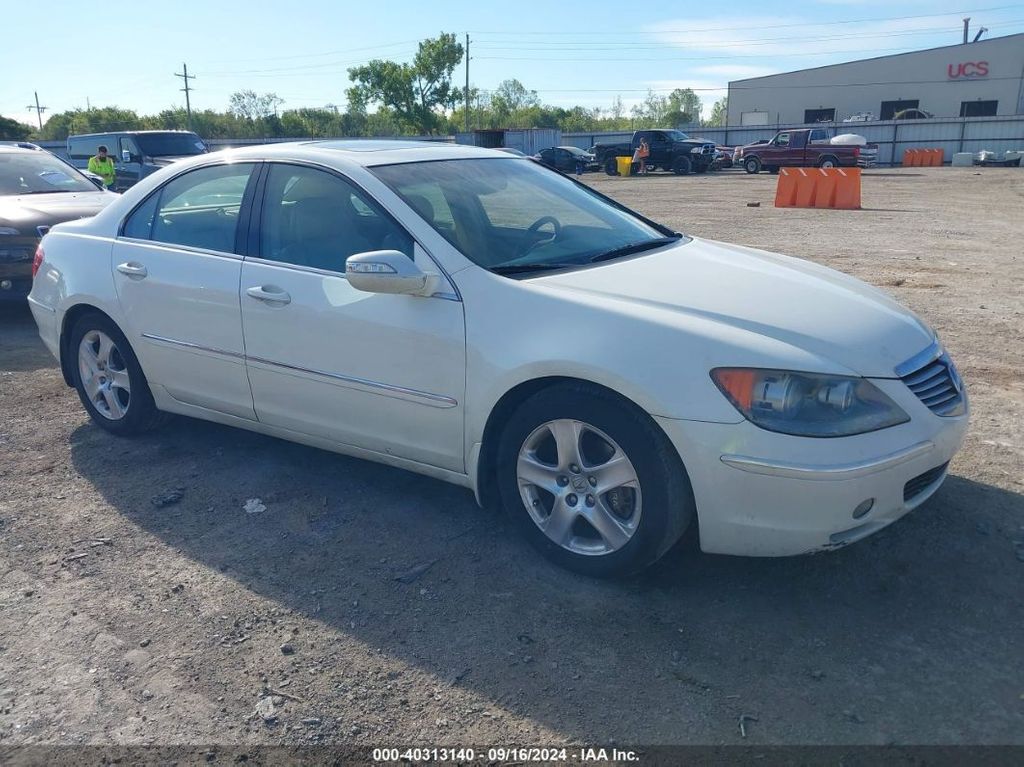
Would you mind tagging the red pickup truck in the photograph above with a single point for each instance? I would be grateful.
(803, 148)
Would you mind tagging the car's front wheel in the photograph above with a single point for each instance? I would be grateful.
(108, 377)
(592, 482)
(752, 165)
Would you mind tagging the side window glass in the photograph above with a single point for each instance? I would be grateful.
(314, 218)
(200, 209)
(783, 139)
(140, 223)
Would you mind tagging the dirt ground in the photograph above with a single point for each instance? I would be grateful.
(123, 621)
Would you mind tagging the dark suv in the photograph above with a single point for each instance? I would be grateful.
(136, 153)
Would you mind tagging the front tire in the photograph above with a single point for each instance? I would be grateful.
(109, 379)
(752, 165)
(682, 166)
(592, 482)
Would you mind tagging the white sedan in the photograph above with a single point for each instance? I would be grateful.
(478, 318)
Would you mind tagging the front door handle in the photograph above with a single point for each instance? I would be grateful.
(269, 294)
(132, 269)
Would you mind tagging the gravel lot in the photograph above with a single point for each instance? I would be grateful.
(123, 621)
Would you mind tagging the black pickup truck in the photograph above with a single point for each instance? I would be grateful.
(670, 150)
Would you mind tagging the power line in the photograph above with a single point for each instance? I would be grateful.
(765, 26)
(541, 45)
(185, 76)
(38, 109)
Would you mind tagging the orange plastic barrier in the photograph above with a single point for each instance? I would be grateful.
(922, 158)
(818, 188)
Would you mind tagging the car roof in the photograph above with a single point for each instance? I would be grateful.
(127, 132)
(369, 152)
(15, 149)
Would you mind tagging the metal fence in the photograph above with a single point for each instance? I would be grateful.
(951, 134)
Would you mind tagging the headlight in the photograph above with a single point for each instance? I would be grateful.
(807, 404)
(697, 150)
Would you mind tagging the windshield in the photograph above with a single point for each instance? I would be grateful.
(170, 144)
(574, 150)
(508, 214)
(676, 135)
(39, 173)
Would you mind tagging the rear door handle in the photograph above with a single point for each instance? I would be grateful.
(269, 294)
(132, 269)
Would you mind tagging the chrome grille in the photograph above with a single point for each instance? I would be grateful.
(933, 377)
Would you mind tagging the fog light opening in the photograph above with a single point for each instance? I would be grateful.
(6, 284)
(863, 508)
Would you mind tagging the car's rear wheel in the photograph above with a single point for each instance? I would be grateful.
(108, 377)
(592, 482)
(611, 167)
(828, 162)
(752, 165)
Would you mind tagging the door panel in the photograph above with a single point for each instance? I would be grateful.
(381, 372)
(180, 300)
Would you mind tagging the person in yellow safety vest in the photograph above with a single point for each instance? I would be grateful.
(103, 166)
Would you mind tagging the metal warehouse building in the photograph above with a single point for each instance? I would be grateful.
(981, 79)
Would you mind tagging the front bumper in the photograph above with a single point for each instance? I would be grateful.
(764, 494)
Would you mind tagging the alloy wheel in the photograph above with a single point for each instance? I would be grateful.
(104, 375)
(579, 487)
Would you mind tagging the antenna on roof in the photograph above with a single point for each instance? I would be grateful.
(967, 28)
(981, 31)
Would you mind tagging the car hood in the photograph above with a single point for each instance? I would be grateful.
(24, 212)
(796, 302)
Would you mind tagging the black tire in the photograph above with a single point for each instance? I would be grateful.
(611, 167)
(752, 165)
(828, 161)
(666, 499)
(701, 169)
(140, 413)
(773, 169)
(682, 165)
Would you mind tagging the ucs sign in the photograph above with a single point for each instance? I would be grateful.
(967, 69)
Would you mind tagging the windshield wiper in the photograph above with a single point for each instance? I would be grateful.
(47, 191)
(524, 268)
(636, 247)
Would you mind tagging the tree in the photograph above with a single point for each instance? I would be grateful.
(682, 107)
(719, 113)
(13, 130)
(251, 106)
(412, 92)
(95, 120)
(511, 96)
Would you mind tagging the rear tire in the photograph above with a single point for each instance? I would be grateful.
(108, 378)
(608, 497)
(828, 162)
(752, 165)
(682, 166)
(611, 167)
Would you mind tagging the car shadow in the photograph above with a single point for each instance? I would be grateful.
(912, 630)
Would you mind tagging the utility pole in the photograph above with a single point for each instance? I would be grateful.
(467, 82)
(38, 109)
(188, 104)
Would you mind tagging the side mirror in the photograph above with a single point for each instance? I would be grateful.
(126, 155)
(388, 271)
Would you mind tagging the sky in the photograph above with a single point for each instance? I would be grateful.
(77, 54)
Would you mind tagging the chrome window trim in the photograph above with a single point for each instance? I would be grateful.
(399, 392)
(444, 295)
(180, 248)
